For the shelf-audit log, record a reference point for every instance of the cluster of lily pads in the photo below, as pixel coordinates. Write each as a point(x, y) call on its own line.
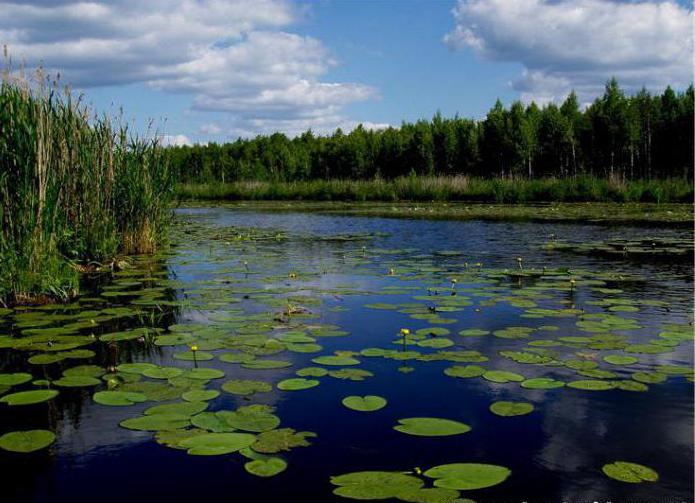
point(258, 305)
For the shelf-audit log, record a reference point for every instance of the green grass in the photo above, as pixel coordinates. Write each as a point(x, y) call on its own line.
point(75, 189)
point(580, 189)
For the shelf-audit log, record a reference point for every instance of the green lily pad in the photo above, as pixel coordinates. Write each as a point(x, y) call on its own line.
point(431, 427)
point(340, 361)
point(215, 444)
point(374, 485)
point(29, 397)
point(136, 368)
point(14, 379)
point(179, 408)
point(297, 384)
point(118, 398)
point(592, 385)
point(162, 372)
point(254, 418)
point(630, 472)
point(203, 373)
point(282, 439)
point(200, 395)
point(211, 421)
point(473, 332)
point(467, 476)
point(27, 441)
point(464, 371)
point(509, 409)
point(77, 381)
point(312, 372)
point(368, 403)
point(620, 360)
point(266, 364)
point(246, 387)
point(542, 383)
point(351, 374)
point(268, 467)
point(156, 422)
point(502, 376)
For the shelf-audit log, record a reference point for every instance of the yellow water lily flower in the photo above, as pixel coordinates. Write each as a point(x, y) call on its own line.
point(405, 331)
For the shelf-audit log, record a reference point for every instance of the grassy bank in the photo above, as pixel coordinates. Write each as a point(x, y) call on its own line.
point(76, 190)
point(580, 189)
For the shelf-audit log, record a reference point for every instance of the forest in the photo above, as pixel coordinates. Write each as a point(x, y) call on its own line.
point(618, 136)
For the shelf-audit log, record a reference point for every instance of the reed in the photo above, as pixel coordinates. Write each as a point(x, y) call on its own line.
point(76, 190)
point(456, 188)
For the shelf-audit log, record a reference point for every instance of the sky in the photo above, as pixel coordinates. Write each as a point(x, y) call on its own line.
point(215, 70)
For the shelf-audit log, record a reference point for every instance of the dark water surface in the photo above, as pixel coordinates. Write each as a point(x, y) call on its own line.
point(554, 453)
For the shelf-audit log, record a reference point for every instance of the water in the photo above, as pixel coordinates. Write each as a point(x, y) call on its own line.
point(555, 453)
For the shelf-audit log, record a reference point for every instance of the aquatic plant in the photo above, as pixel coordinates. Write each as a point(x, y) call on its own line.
point(76, 191)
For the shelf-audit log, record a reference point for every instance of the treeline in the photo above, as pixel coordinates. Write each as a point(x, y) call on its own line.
point(642, 136)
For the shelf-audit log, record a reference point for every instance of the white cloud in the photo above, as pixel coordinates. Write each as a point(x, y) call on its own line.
point(580, 44)
point(233, 56)
point(177, 140)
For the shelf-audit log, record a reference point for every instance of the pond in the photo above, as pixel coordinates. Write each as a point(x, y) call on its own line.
point(221, 368)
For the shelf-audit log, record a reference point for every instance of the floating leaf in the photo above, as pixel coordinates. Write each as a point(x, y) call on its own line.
point(283, 439)
point(215, 444)
point(431, 427)
point(29, 397)
point(368, 403)
point(630, 472)
point(254, 418)
point(312, 372)
point(297, 384)
point(118, 398)
point(266, 364)
point(200, 395)
point(246, 387)
point(156, 422)
point(502, 376)
point(467, 476)
point(374, 485)
point(508, 409)
point(592, 385)
point(542, 383)
point(27, 441)
point(339, 361)
point(465, 371)
point(162, 372)
point(77, 381)
point(620, 360)
point(179, 408)
point(268, 467)
point(14, 379)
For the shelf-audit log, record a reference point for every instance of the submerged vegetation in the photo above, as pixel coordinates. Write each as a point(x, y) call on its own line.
point(76, 191)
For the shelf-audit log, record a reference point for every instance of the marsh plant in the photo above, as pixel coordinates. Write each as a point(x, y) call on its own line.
point(77, 189)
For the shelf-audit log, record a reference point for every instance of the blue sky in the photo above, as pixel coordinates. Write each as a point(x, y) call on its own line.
point(212, 70)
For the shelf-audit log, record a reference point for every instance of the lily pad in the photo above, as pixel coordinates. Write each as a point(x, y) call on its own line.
point(215, 444)
point(200, 395)
point(592, 385)
point(464, 371)
point(502, 376)
point(156, 422)
point(283, 439)
point(509, 409)
point(620, 360)
point(630, 472)
point(29, 397)
point(27, 441)
point(297, 384)
point(374, 485)
point(368, 403)
point(431, 427)
point(254, 418)
point(467, 476)
point(14, 379)
point(542, 383)
point(118, 398)
point(340, 361)
point(268, 467)
point(246, 387)
point(162, 372)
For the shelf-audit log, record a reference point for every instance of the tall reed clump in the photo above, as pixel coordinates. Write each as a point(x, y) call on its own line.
point(76, 190)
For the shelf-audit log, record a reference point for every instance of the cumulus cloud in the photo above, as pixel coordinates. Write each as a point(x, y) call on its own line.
point(176, 140)
point(579, 44)
point(234, 56)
